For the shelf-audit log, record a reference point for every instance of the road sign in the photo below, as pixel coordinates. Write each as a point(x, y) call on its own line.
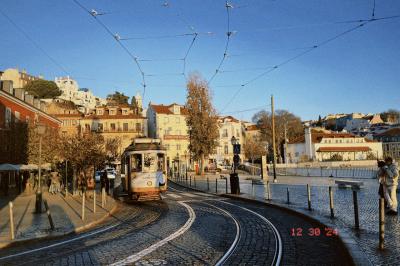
point(236, 159)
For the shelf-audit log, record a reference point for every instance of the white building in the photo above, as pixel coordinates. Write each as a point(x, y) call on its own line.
point(83, 98)
point(228, 127)
point(317, 145)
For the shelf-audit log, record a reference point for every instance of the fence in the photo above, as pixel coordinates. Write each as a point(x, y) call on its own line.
point(348, 172)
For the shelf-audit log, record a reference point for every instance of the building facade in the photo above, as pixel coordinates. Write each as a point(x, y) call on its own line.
point(19, 110)
point(391, 143)
point(115, 122)
point(168, 123)
point(317, 145)
point(19, 79)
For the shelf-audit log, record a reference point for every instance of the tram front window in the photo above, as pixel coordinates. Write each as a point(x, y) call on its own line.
point(150, 162)
point(160, 162)
point(136, 163)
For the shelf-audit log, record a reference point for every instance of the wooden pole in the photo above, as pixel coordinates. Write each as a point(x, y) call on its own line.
point(381, 223)
point(49, 215)
point(226, 185)
point(355, 202)
point(331, 202)
point(83, 206)
point(94, 200)
point(10, 205)
point(309, 196)
point(273, 137)
point(216, 186)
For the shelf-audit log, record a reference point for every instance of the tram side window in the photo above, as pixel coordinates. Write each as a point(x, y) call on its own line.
point(160, 162)
point(136, 163)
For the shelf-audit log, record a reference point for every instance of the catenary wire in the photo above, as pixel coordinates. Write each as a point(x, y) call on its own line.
point(228, 38)
point(363, 23)
point(117, 38)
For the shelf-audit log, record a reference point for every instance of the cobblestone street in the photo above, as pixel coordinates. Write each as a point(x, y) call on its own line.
point(189, 228)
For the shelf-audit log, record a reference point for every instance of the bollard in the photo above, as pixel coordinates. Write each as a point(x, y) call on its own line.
point(287, 194)
point(331, 202)
point(83, 206)
point(10, 205)
point(208, 185)
point(94, 201)
point(216, 186)
point(252, 188)
point(309, 196)
point(103, 197)
point(268, 191)
point(190, 179)
point(194, 181)
point(355, 202)
point(226, 185)
point(49, 215)
point(381, 223)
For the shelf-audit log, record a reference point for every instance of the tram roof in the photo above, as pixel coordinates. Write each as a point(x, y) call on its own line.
point(145, 145)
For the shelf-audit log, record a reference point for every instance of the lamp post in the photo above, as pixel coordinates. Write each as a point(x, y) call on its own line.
point(40, 130)
point(235, 187)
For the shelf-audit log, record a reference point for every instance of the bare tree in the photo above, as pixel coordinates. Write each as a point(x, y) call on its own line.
point(201, 120)
point(293, 124)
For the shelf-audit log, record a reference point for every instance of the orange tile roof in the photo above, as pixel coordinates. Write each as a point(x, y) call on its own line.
point(343, 149)
point(391, 132)
point(164, 109)
point(129, 116)
point(252, 127)
point(317, 136)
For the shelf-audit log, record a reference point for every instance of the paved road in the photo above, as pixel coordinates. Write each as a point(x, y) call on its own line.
point(188, 228)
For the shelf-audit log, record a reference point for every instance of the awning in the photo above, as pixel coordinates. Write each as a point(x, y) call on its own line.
point(344, 149)
point(9, 167)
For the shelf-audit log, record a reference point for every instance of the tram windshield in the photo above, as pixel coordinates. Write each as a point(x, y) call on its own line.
point(136, 162)
point(149, 162)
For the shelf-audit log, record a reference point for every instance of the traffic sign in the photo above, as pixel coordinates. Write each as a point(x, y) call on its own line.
point(236, 149)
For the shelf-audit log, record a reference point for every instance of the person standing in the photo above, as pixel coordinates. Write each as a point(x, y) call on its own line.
point(392, 176)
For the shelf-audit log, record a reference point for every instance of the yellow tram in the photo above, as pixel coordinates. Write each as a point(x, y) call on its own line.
point(144, 167)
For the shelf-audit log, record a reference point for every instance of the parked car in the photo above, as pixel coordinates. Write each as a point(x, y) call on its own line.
point(111, 173)
point(97, 176)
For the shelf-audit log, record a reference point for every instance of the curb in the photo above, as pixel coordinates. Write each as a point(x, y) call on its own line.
point(77, 230)
point(358, 256)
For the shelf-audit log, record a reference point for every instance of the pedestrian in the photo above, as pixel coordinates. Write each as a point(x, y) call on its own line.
point(392, 175)
point(381, 176)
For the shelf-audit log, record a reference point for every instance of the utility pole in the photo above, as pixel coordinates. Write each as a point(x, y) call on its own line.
point(286, 159)
point(273, 137)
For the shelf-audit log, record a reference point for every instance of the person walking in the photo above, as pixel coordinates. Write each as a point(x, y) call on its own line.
point(392, 175)
point(381, 176)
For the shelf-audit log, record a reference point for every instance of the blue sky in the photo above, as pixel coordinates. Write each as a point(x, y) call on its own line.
point(358, 72)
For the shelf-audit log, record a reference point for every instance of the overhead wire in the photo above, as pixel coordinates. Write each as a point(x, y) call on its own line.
point(246, 110)
point(54, 61)
point(363, 23)
point(117, 38)
point(228, 35)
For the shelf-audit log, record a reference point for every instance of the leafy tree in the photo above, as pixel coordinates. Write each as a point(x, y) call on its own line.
point(253, 148)
point(50, 145)
point(84, 153)
point(391, 116)
point(319, 122)
point(43, 89)
point(201, 120)
point(113, 147)
point(294, 127)
point(118, 98)
point(135, 107)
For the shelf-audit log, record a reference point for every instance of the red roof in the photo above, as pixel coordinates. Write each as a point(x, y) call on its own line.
point(391, 132)
point(165, 109)
point(252, 127)
point(343, 149)
point(68, 115)
point(129, 116)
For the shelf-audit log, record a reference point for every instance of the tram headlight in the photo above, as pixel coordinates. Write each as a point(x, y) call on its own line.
point(149, 183)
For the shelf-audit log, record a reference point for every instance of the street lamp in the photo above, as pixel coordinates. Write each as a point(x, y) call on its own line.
point(234, 178)
point(40, 130)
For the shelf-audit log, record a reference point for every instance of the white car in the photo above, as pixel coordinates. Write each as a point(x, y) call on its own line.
point(111, 173)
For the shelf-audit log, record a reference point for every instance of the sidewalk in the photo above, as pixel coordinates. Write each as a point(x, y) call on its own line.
point(366, 238)
point(66, 214)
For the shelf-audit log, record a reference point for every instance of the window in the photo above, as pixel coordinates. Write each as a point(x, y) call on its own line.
point(138, 127)
point(125, 126)
point(150, 162)
point(100, 127)
point(226, 149)
point(112, 112)
point(99, 112)
point(16, 116)
point(225, 133)
point(8, 117)
point(27, 119)
point(178, 147)
point(136, 163)
point(112, 126)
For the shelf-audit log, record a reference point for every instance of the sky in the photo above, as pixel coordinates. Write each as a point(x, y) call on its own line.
point(353, 67)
